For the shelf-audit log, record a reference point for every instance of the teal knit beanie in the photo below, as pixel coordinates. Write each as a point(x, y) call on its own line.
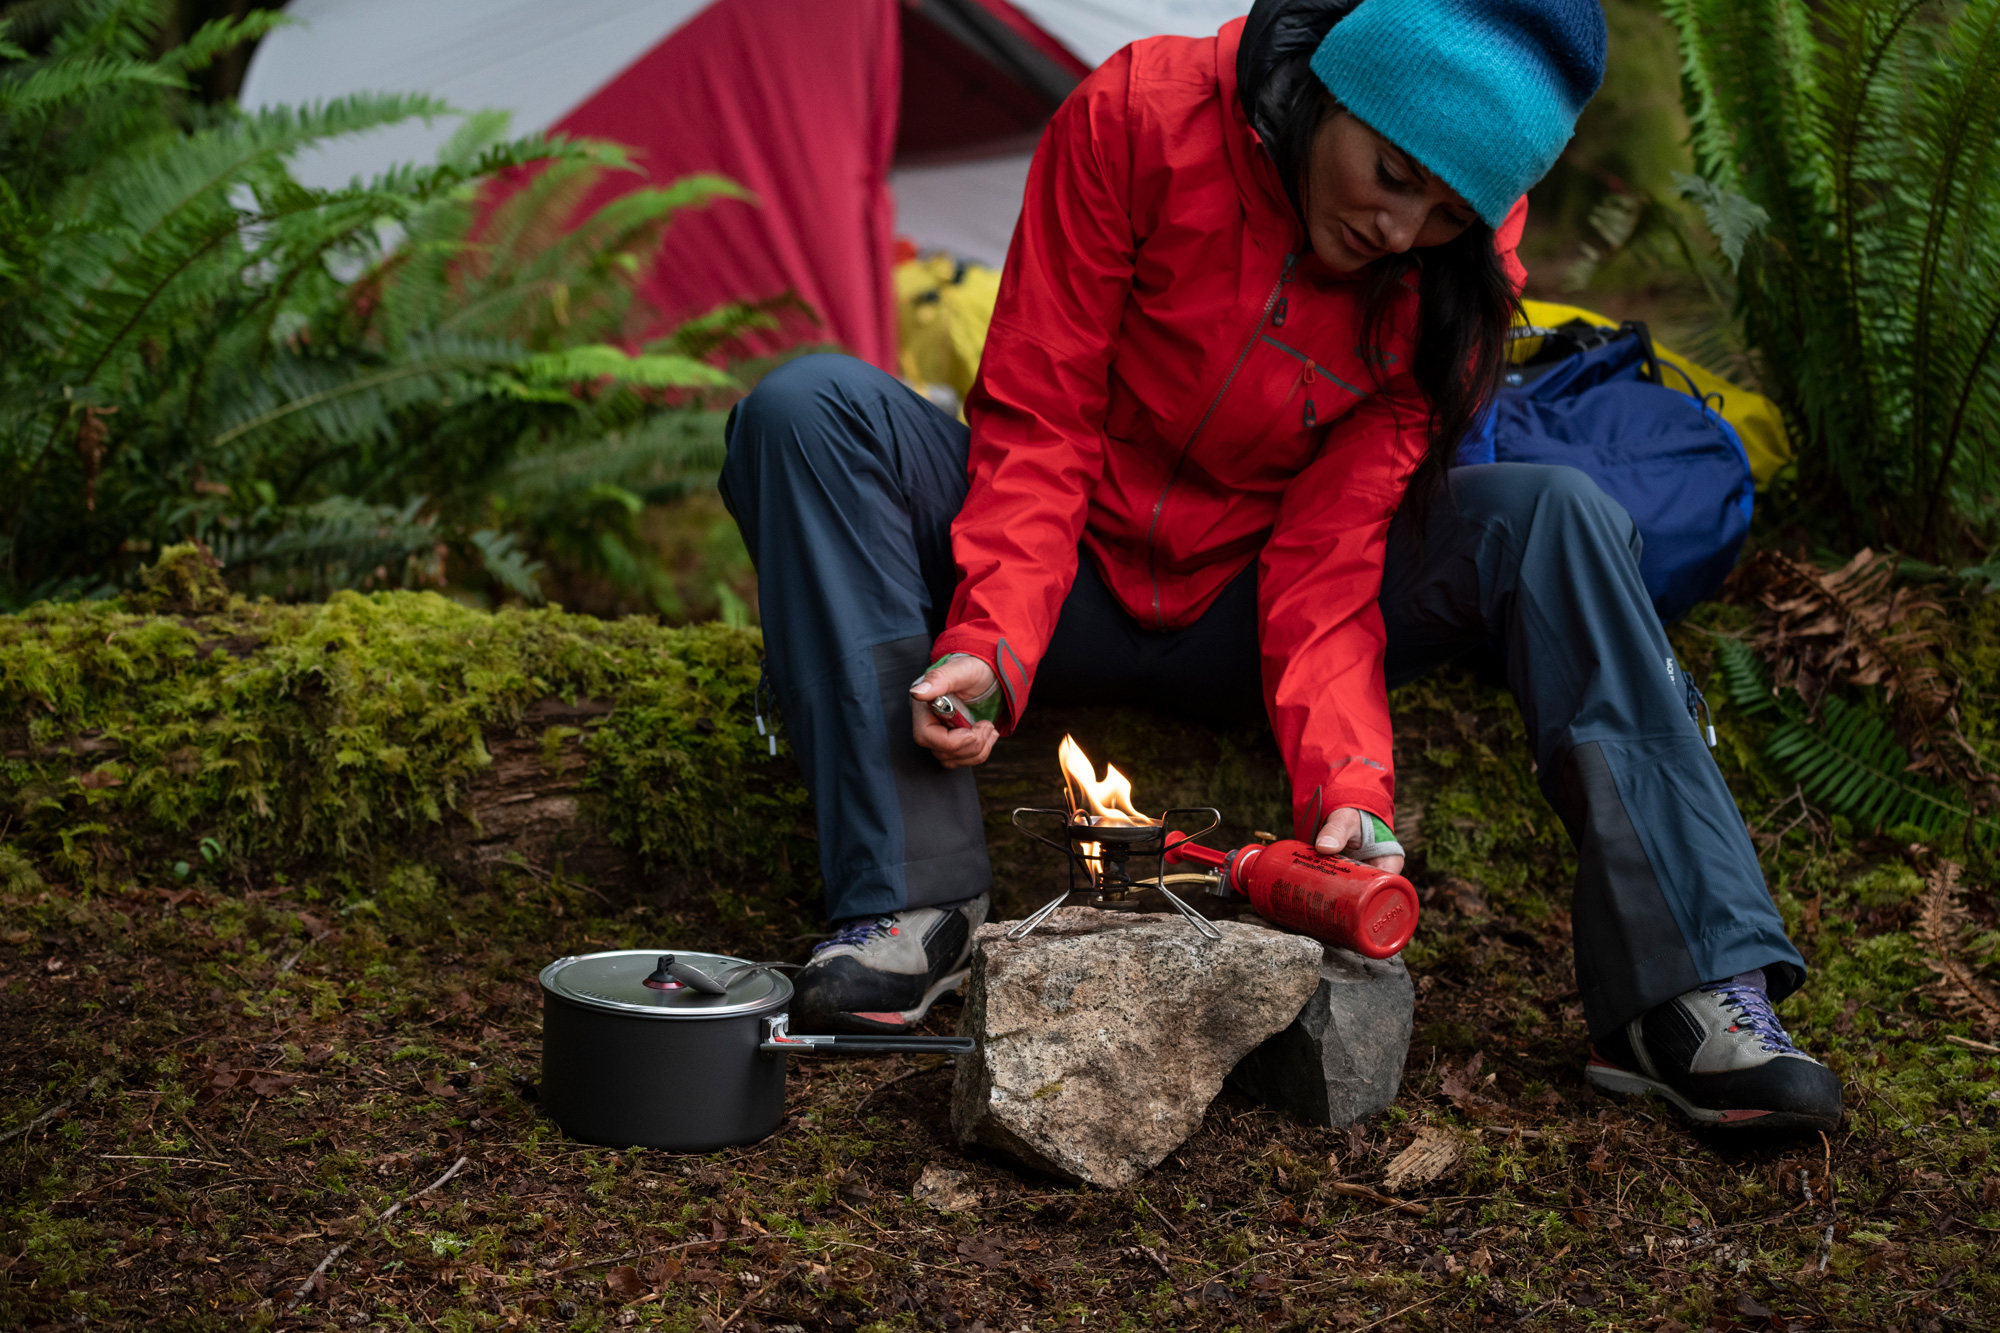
point(1484, 93)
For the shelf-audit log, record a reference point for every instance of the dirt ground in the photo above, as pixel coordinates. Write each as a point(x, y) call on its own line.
point(206, 1091)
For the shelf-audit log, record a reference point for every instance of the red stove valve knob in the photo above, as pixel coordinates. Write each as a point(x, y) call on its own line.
point(1332, 899)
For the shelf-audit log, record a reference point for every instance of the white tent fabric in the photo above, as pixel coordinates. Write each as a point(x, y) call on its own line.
point(965, 208)
point(534, 59)
point(1093, 29)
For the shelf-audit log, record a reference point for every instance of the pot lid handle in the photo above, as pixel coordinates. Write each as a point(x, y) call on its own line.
point(672, 974)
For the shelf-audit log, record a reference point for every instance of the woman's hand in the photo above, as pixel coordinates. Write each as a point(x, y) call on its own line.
point(955, 747)
point(1341, 836)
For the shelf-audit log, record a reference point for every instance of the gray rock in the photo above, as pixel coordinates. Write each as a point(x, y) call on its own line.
point(1341, 1059)
point(1104, 1036)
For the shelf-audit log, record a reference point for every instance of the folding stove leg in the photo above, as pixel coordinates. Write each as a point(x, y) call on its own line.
point(1021, 931)
point(1195, 919)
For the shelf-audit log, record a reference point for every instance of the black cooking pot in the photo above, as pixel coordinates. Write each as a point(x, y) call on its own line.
point(681, 1051)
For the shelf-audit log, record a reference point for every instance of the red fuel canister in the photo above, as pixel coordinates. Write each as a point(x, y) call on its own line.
point(1330, 898)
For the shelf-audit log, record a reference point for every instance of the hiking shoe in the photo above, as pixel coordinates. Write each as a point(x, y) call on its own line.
point(1721, 1056)
point(883, 973)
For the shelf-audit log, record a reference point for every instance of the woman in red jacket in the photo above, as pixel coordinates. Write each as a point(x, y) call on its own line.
point(1258, 293)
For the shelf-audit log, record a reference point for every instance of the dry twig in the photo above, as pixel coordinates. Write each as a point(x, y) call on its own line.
point(39, 1120)
point(306, 1286)
point(1373, 1195)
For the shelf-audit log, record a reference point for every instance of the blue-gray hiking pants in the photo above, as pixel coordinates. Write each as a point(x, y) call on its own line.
point(845, 484)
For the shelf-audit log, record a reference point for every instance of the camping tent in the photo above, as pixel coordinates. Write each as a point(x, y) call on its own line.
point(852, 121)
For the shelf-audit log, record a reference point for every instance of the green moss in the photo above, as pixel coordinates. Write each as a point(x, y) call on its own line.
point(330, 737)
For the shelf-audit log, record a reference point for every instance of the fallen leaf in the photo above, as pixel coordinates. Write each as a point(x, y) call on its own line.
point(624, 1281)
point(945, 1189)
point(317, 928)
point(982, 1251)
point(662, 1269)
point(1600, 1159)
point(1431, 1153)
point(1458, 1085)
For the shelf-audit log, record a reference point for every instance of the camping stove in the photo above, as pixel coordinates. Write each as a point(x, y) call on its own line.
point(1102, 835)
point(1100, 860)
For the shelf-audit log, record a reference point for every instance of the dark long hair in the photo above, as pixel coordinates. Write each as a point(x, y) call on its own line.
point(1465, 304)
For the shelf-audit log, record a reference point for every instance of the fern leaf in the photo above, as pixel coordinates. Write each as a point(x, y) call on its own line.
point(1734, 219)
point(219, 36)
point(51, 88)
point(501, 557)
point(1748, 690)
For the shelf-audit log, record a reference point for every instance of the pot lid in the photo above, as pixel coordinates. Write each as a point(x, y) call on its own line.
point(644, 982)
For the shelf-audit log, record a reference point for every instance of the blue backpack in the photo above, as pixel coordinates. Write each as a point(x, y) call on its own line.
point(1593, 398)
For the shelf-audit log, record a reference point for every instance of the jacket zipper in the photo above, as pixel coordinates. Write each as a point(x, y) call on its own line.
point(1159, 505)
point(1312, 367)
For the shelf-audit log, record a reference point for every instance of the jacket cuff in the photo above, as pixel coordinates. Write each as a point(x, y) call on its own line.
point(1001, 661)
point(1311, 807)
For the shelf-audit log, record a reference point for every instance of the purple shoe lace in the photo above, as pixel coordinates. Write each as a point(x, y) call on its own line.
point(1744, 993)
point(857, 932)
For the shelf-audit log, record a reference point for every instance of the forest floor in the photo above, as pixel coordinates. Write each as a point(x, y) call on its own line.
point(207, 1089)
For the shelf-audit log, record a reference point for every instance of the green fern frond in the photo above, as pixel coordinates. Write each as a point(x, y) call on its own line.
point(220, 36)
point(500, 555)
point(1868, 131)
point(349, 403)
point(44, 91)
point(1743, 677)
point(1851, 764)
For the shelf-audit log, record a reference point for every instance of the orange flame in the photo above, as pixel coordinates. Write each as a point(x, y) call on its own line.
point(1110, 800)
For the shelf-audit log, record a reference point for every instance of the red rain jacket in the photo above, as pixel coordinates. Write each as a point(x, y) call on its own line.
point(1175, 382)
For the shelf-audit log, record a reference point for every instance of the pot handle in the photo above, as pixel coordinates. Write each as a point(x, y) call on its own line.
point(780, 1040)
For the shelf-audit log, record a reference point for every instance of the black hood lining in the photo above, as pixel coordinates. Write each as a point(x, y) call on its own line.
point(1277, 38)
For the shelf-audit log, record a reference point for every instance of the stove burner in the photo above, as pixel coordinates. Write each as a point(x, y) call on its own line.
point(1100, 855)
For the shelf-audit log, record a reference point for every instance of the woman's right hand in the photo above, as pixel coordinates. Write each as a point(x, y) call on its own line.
point(955, 747)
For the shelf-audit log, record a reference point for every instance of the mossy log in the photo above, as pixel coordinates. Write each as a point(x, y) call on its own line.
point(183, 731)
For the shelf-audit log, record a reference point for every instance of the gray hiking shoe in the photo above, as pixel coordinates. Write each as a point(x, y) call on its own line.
point(883, 973)
point(1719, 1054)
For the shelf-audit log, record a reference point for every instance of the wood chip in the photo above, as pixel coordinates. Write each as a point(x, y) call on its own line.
point(1432, 1153)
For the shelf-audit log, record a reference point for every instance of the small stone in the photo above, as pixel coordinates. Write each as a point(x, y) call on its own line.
point(1341, 1060)
point(945, 1189)
point(1103, 1036)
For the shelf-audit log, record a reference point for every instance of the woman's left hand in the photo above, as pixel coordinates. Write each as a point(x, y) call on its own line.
point(1341, 836)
